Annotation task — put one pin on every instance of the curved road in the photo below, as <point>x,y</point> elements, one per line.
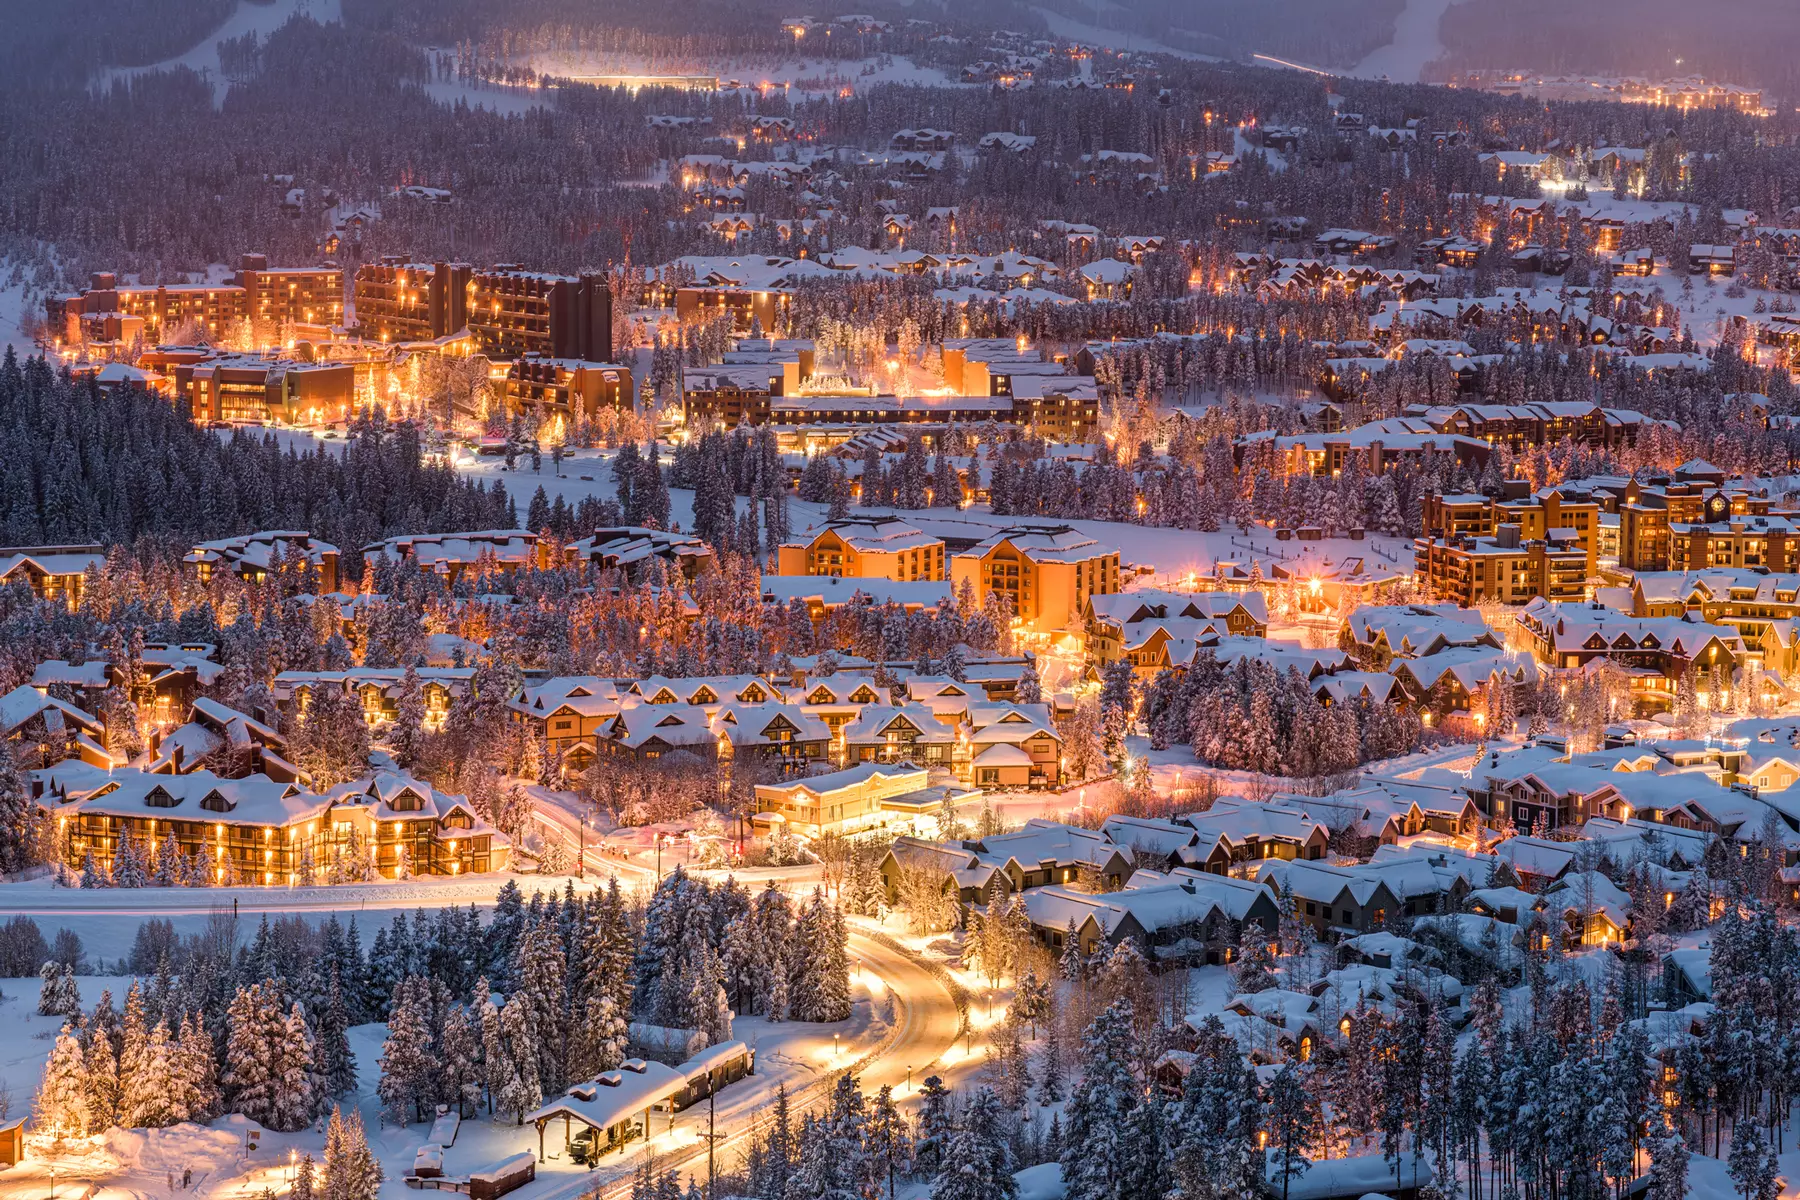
<point>925,1029</point>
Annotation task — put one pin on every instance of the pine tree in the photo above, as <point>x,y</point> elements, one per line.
<point>978,1161</point>
<point>350,1171</point>
<point>296,1079</point>
<point>519,1091</point>
<point>1050,1079</point>
<point>408,734</point>
<point>18,837</point>
<point>199,1072</point>
<point>254,1033</point>
<point>336,1062</point>
<point>406,1087</point>
<point>541,970</point>
<point>62,1098</point>
<point>1293,1116</point>
<point>935,1124</point>
<point>102,1074</point>
<point>303,1179</point>
<point>1100,1109</point>
<point>459,1055</point>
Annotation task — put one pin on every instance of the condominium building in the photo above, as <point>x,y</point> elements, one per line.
<point>510,311</point>
<point>569,388</point>
<point>1504,569</point>
<point>258,830</point>
<point>1047,572</point>
<point>401,301</point>
<point>107,310</point>
<point>252,556</point>
<point>1565,514</point>
<point>865,548</point>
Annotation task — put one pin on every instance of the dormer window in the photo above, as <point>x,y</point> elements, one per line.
<point>217,801</point>
<point>160,797</point>
<point>406,800</point>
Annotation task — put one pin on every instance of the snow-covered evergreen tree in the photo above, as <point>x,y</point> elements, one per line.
<point>62,1097</point>
<point>978,1163</point>
<point>407,1087</point>
<point>1100,1109</point>
<point>518,1091</point>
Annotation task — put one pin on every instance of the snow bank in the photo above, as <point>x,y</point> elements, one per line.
<point>1042,1182</point>
<point>177,1148</point>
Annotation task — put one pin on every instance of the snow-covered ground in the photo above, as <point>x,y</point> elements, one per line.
<point>1415,43</point>
<point>12,314</point>
<point>261,19</point>
<point>507,101</point>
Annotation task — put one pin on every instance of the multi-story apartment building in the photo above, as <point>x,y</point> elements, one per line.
<point>450,554</point>
<point>1047,572</point>
<point>291,295</point>
<point>510,311</point>
<point>1504,569</point>
<point>513,312</point>
<point>570,388</point>
<point>1562,513</point>
<point>1521,427</point>
<point>258,830</point>
<point>1757,543</point>
<point>1649,513</point>
<point>52,572</point>
<point>110,311</point>
<point>630,548</point>
<point>865,548</point>
<point>402,301</point>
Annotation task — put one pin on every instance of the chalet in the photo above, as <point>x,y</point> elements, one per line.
<point>45,731</point>
<point>1182,918</point>
<point>1237,832</point>
<point>450,554</point>
<point>569,714</point>
<point>255,556</point>
<point>1588,909</point>
<point>897,733</point>
<point>783,734</point>
<point>647,732</point>
<point>379,691</point>
<point>1335,900</point>
<point>55,573</point>
<point>705,692</point>
<point>225,741</point>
